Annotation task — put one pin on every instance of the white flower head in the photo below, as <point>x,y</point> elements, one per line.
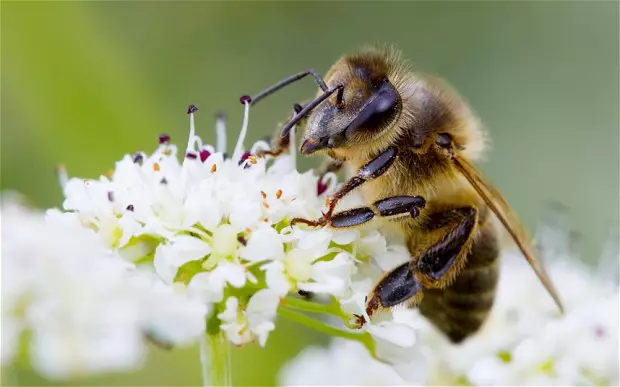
<point>172,242</point>
<point>87,309</point>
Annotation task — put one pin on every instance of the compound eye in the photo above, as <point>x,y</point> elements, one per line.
<point>383,105</point>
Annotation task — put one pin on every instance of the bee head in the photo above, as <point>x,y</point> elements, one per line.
<point>364,105</point>
<point>356,103</point>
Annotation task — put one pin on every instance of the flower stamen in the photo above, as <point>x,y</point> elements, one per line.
<point>63,177</point>
<point>244,129</point>
<point>220,130</point>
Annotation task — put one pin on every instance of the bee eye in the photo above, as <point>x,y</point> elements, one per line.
<point>380,109</point>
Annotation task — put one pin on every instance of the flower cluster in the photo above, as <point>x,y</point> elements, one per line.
<point>83,307</point>
<point>524,342</point>
<point>210,229</point>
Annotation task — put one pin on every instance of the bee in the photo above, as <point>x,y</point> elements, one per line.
<point>409,143</point>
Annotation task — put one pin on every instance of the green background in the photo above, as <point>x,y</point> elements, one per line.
<point>85,82</point>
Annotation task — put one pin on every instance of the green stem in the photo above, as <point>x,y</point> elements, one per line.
<point>215,360</point>
<point>332,309</point>
<point>365,338</point>
<point>314,307</point>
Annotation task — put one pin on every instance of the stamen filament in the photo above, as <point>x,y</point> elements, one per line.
<point>192,134</point>
<point>330,180</point>
<point>220,130</point>
<point>63,177</point>
<point>244,129</point>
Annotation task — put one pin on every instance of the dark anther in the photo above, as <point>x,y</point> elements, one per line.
<point>320,187</point>
<point>297,108</point>
<point>111,196</point>
<point>220,116</point>
<point>204,154</point>
<point>241,239</point>
<point>444,140</point>
<point>164,139</point>
<point>244,157</point>
<point>130,207</point>
<point>245,99</point>
<point>137,158</point>
<point>164,181</point>
<point>192,109</point>
<point>191,155</point>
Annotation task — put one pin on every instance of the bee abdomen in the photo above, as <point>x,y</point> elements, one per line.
<point>462,308</point>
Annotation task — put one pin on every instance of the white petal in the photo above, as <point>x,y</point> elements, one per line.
<point>275,277</point>
<point>232,273</point>
<point>230,312</point>
<point>345,237</point>
<point>316,241</point>
<point>264,243</point>
<point>261,312</point>
<point>163,267</point>
<point>185,248</point>
<point>245,214</point>
<point>207,287</point>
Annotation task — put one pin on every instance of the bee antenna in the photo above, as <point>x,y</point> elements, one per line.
<point>311,105</point>
<point>287,81</point>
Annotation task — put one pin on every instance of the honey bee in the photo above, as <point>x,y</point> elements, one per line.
<point>409,142</point>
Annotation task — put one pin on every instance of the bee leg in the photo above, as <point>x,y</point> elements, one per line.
<point>435,268</point>
<point>280,145</point>
<point>396,287</point>
<point>389,207</point>
<point>438,265</point>
<point>369,171</point>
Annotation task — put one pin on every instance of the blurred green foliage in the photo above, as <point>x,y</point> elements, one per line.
<point>85,82</point>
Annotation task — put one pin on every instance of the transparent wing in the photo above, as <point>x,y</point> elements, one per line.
<point>504,213</point>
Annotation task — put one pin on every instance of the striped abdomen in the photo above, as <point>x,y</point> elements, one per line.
<point>460,309</point>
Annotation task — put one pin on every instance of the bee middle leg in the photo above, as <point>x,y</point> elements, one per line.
<point>435,267</point>
<point>369,171</point>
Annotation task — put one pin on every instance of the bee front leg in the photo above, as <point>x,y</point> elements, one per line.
<point>371,170</point>
<point>435,268</point>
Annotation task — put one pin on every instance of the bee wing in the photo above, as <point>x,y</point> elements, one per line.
<point>502,210</point>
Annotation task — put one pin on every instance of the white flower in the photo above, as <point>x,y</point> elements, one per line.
<point>170,240</point>
<point>86,309</point>
<point>344,363</point>
<point>524,342</point>
<point>253,323</point>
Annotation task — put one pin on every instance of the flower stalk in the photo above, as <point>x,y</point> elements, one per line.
<point>364,338</point>
<point>215,359</point>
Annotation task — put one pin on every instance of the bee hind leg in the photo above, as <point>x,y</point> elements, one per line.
<point>434,268</point>
<point>437,267</point>
<point>396,287</point>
